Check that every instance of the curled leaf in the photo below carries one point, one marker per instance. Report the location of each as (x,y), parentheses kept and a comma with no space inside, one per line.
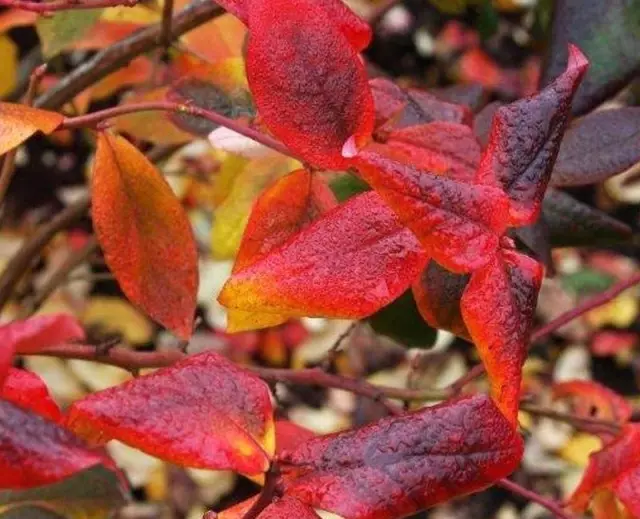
(203,412)
(308,83)
(145,234)
(498,306)
(377,260)
(35,451)
(437,293)
(19,122)
(400,465)
(525,138)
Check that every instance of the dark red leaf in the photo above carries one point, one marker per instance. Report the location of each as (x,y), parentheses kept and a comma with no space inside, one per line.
(202,412)
(35,451)
(413,107)
(400,465)
(524,141)
(437,293)
(27,390)
(598,146)
(498,306)
(536,238)
(354,260)
(573,224)
(308,83)
(607,32)
(471,95)
(458,223)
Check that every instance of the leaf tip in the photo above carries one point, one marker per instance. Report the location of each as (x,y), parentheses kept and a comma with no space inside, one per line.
(350,148)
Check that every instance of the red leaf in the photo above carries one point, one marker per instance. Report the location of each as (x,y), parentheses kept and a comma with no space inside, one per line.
(524,141)
(308,82)
(439,147)
(285,208)
(458,223)
(354,28)
(437,293)
(354,260)
(34,335)
(145,234)
(35,451)
(498,307)
(284,508)
(413,107)
(615,468)
(400,465)
(27,390)
(202,412)
(289,435)
(590,397)
(19,122)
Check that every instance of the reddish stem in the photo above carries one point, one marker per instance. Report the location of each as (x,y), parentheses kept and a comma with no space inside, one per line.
(93,119)
(63,5)
(553,506)
(584,307)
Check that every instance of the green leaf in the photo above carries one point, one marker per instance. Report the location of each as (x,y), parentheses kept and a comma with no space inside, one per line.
(402,322)
(91,494)
(588,281)
(347,185)
(59,31)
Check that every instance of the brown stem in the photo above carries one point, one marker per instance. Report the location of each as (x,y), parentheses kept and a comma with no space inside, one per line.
(553,506)
(93,119)
(8,165)
(74,259)
(584,307)
(63,5)
(268,492)
(589,424)
(119,54)
(21,261)
(332,352)
(167,18)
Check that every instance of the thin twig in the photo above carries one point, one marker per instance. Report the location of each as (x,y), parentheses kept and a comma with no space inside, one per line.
(119,54)
(590,424)
(167,18)
(21,261)
(267,494)
(9,162)
(72,261)
(332,352)
(584,307)
(95,118)
(553,506)
(64,5)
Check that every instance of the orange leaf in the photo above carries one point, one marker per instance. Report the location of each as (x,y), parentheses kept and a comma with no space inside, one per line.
(589,397)
(614,468)
(145,234)
(19,122)
(284,209)
(203,412)
(498,306)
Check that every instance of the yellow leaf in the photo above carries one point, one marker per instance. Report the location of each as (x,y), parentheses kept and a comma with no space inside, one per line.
(115,315)
(232,215)
(579,447)
(8,65)
(138,14)
(621,312)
